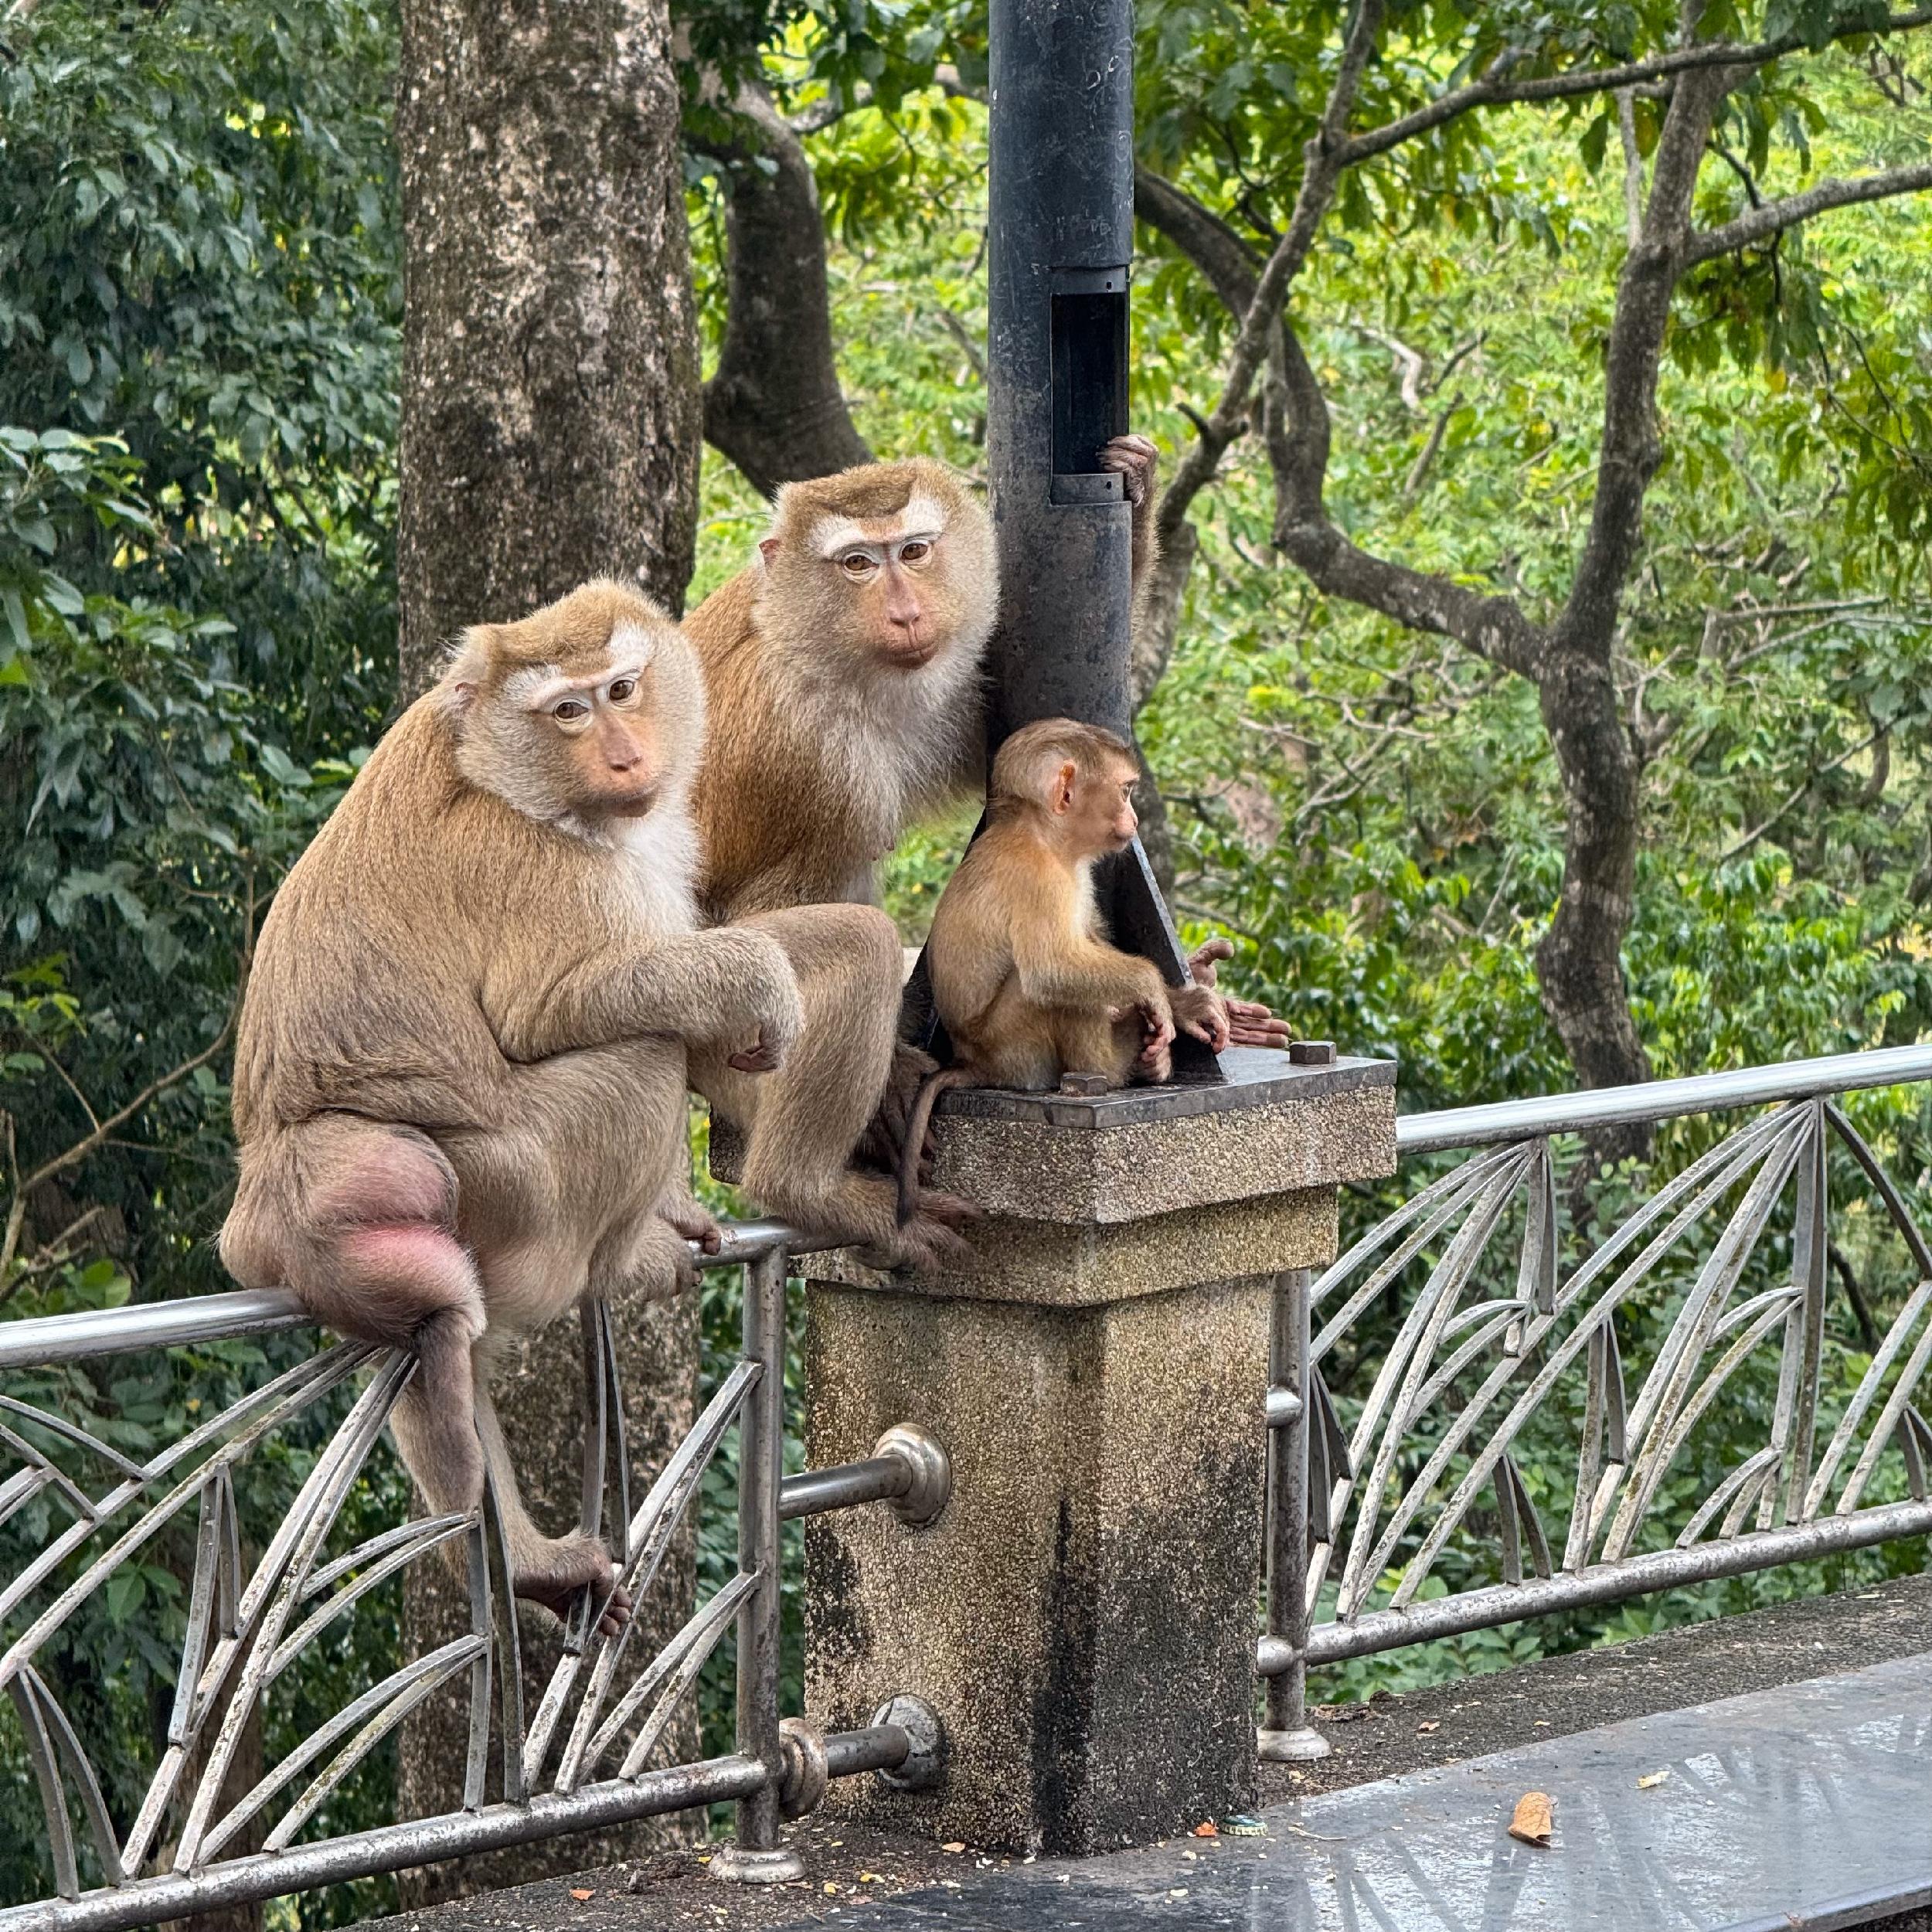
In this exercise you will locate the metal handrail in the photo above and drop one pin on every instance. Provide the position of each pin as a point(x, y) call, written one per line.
point(1648, 1100)
point(40, 1341)
point(245, 1624)
point(1501, 1327)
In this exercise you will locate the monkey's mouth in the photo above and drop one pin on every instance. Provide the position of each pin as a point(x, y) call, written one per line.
point(627, 805)
point(911, 656)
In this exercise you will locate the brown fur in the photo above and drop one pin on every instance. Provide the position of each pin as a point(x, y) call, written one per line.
point(460, 1077)
point(824, 747)
point(823, 751)
point(1023, 978)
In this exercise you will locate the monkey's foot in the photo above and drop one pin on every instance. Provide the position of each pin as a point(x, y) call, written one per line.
point(551, 1573)
point(934, 1237)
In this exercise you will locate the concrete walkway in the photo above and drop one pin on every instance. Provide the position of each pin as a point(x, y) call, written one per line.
point(1808, 1805)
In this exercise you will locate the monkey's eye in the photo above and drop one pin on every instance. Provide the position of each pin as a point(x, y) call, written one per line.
point(570, 711)
point(858, 564)
point(916, 552)
point(623, 690)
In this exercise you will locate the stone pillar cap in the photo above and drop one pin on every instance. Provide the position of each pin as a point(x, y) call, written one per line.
point(1273, 1127)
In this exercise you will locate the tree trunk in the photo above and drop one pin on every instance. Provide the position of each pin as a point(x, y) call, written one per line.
point(550, 401)
point(550, 434)
point(774, 406)
point(1579, 961)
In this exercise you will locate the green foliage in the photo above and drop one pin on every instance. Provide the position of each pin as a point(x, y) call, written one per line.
point(200, 302)
point(199, 310)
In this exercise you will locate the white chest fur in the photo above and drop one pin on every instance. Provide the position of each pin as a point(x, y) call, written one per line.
point(654, 860)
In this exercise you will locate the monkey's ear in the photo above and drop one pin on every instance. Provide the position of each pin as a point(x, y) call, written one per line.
point(767, 548)
point(1060, 793)
point(468, 664)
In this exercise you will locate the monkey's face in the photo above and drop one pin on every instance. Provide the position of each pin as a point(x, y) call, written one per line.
point(890, 588)
point(1095, 806)
point(581, 714)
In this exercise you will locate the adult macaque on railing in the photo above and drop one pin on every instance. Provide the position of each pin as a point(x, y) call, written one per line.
point(1024, 980)
point(460, 1072)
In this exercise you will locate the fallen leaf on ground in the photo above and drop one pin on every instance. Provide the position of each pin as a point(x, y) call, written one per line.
point(1654, 1777)
point(1207, 1829)
point(1532, 1822)
point(577, 1892)
point(868, 1878)
point(1434, 1724)
point(831, 1889)
point(955, 1846)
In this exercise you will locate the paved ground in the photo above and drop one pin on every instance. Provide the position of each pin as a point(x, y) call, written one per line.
point(1782, 1761)
point(1808, 1805)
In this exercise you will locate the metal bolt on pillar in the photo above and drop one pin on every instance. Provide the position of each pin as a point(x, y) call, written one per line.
point(1287, 1737)
point(757, 1857)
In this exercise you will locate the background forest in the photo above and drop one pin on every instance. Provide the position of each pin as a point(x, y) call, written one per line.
point(1454, 628)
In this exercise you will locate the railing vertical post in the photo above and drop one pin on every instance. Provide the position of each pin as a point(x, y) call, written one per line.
point(1287, 1736)
point(757, 1857)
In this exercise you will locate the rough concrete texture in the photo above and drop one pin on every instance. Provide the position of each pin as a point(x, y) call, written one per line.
point(1067, 1266)
point(1122, 1157)
point(1082, 1616)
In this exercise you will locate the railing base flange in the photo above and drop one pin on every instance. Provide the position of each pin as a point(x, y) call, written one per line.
point(1291, 1747)
point(737, 1865)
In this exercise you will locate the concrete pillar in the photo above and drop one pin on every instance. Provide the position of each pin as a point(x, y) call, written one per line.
point(1083, 1615)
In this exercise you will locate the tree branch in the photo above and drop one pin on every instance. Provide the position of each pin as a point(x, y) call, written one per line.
point(774, 405)
point(1775, 216)
point(1631, 448)
point(1321, 168)
point(1496, 90)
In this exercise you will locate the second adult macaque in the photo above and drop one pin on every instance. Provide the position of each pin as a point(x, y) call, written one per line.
point(845, 669)
point(1024, 978)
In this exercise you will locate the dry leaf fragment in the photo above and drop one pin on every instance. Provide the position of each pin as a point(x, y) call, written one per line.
point(955, 1846)
point(1207, 1829)
point(1434, 1724)
point(868, 1878)
point(1532, 1822)
point(832, 1890)
point(1654, 1778)
point(578, 1893)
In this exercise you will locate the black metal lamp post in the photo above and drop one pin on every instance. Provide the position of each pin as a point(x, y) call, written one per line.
point(1061, 238)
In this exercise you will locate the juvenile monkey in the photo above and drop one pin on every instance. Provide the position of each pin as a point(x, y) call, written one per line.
point(1023, 977)
point(459, 1091)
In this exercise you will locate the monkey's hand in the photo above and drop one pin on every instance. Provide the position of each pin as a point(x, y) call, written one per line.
point(1135, 461)
point(1249, 1023)
point(1157, 1033)
point(691, 1223)
point(762, 999)
point(1202, 1012)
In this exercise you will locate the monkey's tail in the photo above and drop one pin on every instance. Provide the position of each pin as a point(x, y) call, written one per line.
point(942, 1080)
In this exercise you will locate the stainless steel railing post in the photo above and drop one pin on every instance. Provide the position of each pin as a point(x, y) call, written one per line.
point(1287, 1736)
point(757, 1857)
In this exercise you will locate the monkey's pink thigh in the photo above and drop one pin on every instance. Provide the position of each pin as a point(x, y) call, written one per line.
point(366, 1215)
